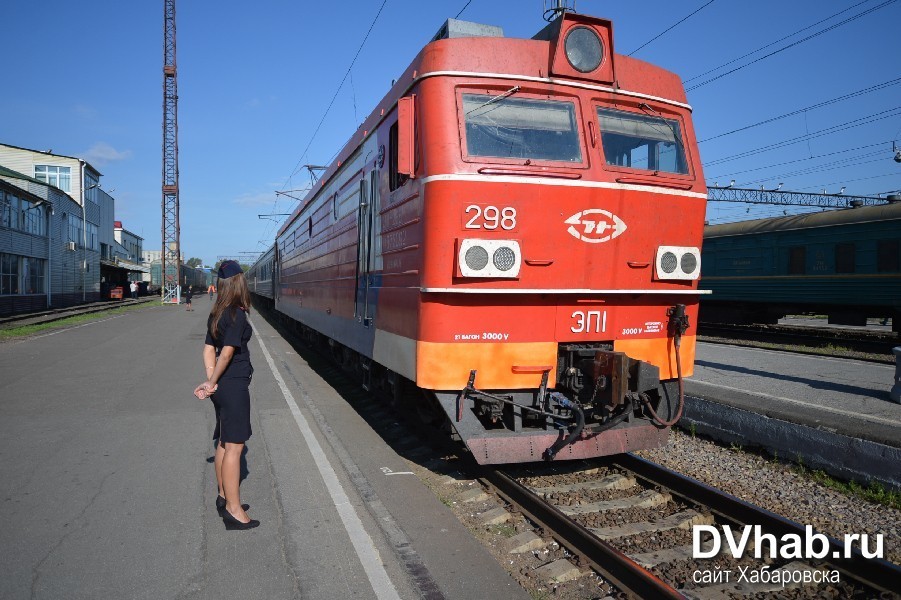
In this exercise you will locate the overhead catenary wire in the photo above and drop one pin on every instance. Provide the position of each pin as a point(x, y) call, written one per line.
point(786, 47)
point(788, 162)
point(457, 16)
point(303, 155)
point(849, 162)
point(813, 187)
point(299, 164)
point(874, 88)
point(773, 43)
point(671, 27)
point(886, 114)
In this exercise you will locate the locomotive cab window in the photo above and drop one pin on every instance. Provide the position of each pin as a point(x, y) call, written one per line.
point(645, 142)
point(521, 128)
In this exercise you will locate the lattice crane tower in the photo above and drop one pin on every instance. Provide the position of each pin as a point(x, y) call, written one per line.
point(171, 251)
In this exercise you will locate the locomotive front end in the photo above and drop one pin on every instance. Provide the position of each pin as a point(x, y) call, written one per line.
point(562, 246)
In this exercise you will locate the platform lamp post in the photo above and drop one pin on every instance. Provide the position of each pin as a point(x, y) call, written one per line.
point(84, 240)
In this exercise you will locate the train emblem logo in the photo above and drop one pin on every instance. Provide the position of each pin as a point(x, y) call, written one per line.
point(595, 225)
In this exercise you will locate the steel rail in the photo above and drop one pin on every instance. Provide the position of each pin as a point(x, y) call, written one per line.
point(876, 573)
point(615, 566)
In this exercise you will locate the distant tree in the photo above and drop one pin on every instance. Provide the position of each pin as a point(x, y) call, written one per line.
point(194, 262)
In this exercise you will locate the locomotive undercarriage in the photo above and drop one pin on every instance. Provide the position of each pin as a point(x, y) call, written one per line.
point(604, 403)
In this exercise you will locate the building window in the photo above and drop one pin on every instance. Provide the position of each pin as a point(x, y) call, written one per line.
point(18, 213)
point(797, 260)
point(10, 211)
point(93, 237)
point(9, 274)
point(74, 229)
point(6, 209)
point(844, 258)
point(887, 256)
point(33, 275)
point(54, 175)
point(91, 193)
point(34, 217)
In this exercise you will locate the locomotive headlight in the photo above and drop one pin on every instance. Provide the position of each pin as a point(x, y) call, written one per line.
point(668, 262)
point(689, 263)
point(584, 49)
point(504, 258)
point(489, 258)
point(476, 258)
point(678, 263)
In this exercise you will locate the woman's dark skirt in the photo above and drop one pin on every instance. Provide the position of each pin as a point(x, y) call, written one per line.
point(232, 403)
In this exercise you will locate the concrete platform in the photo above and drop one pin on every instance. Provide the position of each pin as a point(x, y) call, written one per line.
point(108, 491)
point(831, 413)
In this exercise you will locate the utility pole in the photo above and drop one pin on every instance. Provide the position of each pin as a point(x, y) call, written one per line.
point(171, 250)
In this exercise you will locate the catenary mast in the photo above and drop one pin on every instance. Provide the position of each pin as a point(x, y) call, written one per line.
point(171, 251)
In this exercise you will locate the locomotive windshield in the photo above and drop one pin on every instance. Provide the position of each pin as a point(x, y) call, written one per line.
point(521, 128)
point(642, 142)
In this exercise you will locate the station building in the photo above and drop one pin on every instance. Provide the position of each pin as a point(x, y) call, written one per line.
point(56, 224)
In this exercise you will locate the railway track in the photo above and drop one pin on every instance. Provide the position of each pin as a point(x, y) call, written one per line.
point(630, 520)
point(48, 316)
point(875, 343)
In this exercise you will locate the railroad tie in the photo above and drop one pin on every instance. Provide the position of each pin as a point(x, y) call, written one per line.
point(646, 499)
point(668, 555)
point(681, 520)
point(472, 495)
point(610, 482)
point(494, 516)
point(525, 542)
point(559, 571)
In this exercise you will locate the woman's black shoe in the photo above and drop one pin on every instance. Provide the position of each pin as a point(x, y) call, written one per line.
point(232, 523)
point(220, 506)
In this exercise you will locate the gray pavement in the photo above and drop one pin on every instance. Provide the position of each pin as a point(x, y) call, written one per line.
point(848, 396)
point(108, 490)
point(825, 413)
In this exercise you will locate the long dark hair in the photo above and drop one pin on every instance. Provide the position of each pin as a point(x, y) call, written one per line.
point(232, 294)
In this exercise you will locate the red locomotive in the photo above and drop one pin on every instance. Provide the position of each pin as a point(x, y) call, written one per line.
point(515, 229)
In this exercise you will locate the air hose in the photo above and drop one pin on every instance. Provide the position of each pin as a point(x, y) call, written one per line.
point(678, 325)
point(565, 402)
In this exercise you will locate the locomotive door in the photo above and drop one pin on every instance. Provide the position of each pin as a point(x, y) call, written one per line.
point(363, 312)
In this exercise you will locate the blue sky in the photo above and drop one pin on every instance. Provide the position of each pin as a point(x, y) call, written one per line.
point(255, 80)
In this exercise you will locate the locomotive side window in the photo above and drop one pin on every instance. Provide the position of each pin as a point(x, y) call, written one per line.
point(644, 142)
point(521, 128)
point(395, 179)
point(844, 258)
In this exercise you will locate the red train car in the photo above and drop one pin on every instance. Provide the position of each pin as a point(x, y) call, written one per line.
point(515, 229)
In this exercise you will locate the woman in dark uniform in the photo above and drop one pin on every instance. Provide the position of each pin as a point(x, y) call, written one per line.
point(228, 369)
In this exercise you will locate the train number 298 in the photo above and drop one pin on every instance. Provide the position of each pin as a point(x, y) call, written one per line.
point(490, 217)
point(592, 321)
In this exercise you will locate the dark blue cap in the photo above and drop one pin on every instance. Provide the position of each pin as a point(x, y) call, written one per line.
point(229, 268)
